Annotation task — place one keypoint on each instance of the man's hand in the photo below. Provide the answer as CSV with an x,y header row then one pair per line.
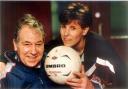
x,y
2,67
80,81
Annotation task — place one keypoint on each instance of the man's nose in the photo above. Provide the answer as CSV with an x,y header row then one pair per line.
x,y
34,49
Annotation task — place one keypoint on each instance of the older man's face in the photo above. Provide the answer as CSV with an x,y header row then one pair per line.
x,y
30,46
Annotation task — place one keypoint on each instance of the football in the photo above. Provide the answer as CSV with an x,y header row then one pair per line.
x,y
61,62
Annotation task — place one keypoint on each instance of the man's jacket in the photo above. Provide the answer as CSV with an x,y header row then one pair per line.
x,y
19,76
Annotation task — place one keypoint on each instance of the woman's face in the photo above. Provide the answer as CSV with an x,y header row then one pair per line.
x,y
72,34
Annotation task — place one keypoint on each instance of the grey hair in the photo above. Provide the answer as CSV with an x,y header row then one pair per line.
x,y
29,20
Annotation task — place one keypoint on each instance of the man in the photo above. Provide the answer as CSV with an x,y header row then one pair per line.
x,y
25,67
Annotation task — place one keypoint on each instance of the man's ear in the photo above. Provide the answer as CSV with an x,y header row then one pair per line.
x,y
85,31
14,45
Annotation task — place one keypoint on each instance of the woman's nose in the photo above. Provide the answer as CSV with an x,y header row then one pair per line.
x,y
66,31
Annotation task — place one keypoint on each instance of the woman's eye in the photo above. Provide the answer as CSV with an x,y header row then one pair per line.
x,y
73,28
62,26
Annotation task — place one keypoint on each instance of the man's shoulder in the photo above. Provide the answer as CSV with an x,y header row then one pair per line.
x,y
8,69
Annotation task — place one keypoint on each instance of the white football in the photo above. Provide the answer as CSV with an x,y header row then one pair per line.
x,y
61,62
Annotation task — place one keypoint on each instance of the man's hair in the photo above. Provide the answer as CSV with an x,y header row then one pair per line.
x,y
30,21
76,11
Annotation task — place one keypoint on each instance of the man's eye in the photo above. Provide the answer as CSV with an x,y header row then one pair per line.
x,y
38,44
26,44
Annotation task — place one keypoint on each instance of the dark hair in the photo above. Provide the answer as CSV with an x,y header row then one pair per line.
x,y
76,11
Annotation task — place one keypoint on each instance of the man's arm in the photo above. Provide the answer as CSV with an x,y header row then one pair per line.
x,y
3,62
2,66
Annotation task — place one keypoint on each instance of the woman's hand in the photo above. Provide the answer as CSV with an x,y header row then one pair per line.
x,y
80,81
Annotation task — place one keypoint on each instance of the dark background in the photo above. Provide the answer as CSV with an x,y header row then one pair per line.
x,y
112,24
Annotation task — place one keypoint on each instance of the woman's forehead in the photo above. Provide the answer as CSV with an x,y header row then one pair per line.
x,y
75,22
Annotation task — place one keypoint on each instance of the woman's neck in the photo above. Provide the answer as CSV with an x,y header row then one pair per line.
x,y
80,46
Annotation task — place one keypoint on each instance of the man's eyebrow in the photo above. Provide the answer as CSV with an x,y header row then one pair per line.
x,y
25,42
40,41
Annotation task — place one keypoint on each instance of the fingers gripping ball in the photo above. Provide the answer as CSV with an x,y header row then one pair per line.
x,y
61,62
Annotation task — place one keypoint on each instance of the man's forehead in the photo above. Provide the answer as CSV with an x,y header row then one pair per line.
x,y
30,35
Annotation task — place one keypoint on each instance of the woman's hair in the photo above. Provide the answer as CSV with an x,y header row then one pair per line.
x,y
76,11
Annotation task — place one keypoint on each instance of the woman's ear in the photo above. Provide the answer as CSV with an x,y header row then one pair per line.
x,y
85,31
14,44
